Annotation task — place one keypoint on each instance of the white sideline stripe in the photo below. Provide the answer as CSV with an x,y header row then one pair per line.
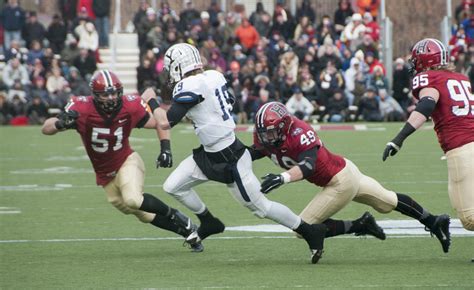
x,y
178,238
391,227
10,212
394,228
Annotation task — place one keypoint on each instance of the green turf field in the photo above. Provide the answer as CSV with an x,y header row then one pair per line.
x,y
58,231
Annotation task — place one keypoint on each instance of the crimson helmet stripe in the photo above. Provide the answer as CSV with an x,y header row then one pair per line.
x,y
444,52
107,78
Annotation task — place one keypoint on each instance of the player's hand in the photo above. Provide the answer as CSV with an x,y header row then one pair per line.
x,y
67,120
270,182
165,159
391,149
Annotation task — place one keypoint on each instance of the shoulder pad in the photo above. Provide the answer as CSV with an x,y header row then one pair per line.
x,y
187,97
215,75
188,90
130,98
83,99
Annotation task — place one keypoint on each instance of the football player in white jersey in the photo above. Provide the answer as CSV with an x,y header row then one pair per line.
x,y
202,96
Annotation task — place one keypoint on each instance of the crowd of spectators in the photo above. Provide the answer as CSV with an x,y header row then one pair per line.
x,y
43,66
299,60
327,69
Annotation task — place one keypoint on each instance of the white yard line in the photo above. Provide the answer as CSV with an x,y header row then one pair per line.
x,y
394,228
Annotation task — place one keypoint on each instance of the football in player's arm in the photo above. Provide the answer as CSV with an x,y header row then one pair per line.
x,y
446,97
105,121
293,145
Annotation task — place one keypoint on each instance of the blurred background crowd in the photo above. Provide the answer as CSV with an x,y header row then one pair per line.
x,y
325,69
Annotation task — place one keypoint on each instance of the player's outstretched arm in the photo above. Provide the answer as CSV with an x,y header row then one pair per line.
x,y
48,127
305,167
158,113
428,99
65,120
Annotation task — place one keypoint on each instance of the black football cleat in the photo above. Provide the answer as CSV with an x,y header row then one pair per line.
x,y
185,224
370,227
316,255
440,229
194,244
315,240
211,227
187,227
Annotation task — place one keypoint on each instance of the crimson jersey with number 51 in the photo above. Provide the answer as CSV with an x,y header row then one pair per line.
x,y
299,138
106,140
453,115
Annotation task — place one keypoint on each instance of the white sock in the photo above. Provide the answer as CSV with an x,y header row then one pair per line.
x,y
191,200
283,215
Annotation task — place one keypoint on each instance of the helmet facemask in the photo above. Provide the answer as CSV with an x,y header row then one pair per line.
x,y
106,104
271,135
412,66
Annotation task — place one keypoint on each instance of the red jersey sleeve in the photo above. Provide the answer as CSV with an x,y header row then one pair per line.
x,y
428,79
302,137
136,107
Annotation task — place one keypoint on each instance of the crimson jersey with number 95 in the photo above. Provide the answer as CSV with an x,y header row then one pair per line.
x,y
299,138
453,115
106,142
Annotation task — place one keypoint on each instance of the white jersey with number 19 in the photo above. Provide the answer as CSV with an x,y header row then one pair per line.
x,y
211,117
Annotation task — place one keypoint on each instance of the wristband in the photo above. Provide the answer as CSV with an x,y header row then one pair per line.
x,y
406,131
165,145
153,103
286,177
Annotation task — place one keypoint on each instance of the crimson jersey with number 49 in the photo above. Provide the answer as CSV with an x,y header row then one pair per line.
x,y
106,141
453,115
301,137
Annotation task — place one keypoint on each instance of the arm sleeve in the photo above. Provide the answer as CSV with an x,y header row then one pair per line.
x,y
178,111
307,161
143,120
426,106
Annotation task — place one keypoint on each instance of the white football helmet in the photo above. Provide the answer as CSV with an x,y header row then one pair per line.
x,y
180,59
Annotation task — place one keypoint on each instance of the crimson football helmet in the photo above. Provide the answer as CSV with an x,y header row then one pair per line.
x,y
427,53
272,123
102,84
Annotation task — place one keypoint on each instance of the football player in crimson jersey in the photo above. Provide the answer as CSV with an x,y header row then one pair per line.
x,y
294,145
447,97
105,121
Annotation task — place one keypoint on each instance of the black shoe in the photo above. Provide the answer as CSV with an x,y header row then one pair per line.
x,y
370,227
440,229
187,227
315,240
210,227
194,244
181,220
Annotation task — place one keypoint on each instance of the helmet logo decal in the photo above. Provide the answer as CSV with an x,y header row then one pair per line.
x,y
278,110
421,47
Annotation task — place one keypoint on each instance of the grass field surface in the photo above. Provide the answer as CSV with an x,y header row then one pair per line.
x,y
58,231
